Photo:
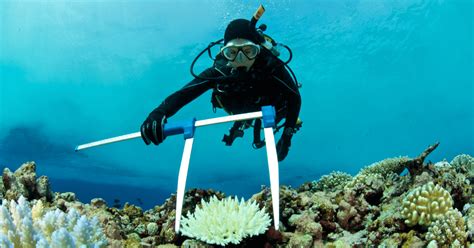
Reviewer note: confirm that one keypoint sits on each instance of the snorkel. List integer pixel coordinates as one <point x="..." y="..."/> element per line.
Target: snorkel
<point x="265" y="40"/>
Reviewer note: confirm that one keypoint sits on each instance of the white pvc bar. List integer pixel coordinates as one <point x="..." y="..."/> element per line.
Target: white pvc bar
<point x="272" y="167"/>
<point x="108" y="141"/>
<point x="183" y="170"/>
<point x="274" y="177"/>
<point x="239" y="117"/>
<point x="183" y="174"/>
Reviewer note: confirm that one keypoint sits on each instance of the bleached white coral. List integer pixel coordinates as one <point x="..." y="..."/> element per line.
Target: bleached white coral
<point x="448" y="230"/>
<point x="225" y="221"/>
<point x="425" y="204"/>
<point x="23" y="227"/>
<point x="335" y="180"/>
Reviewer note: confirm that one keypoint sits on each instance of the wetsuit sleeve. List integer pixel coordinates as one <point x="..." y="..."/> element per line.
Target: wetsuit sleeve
<point x="288" y="86"/>
<point x="185" y="95"/>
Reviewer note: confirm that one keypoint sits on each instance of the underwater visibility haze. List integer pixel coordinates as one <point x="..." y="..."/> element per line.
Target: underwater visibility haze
<point x="379" y="79"/>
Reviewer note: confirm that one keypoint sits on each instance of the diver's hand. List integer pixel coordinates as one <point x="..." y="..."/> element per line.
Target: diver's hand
<point x="283" y="145"/>
<point x="152" y="128"/>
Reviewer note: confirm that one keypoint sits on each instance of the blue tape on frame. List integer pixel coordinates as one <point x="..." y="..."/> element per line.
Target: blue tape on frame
<point x="189" y="128"/>
<point x="184" y="127"/>
<point x="268" y="116"/>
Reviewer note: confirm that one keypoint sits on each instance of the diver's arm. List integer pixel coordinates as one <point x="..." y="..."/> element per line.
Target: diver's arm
<point x="288" y="86"/>
<point x="188" y="93"/>
<point x="292" y="95"/>
<point x="152" y="128"/>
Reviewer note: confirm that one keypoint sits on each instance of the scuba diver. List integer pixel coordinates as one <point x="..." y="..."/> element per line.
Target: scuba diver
<point x="246" y="75"/>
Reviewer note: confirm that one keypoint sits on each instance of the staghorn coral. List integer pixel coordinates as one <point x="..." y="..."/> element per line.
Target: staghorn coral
<point x="25" y="227"/>
<point x="425" y="204"/>
<point x="225" y="221"/>
<point x="386" y="166"/>
<point x="448" y="230"/>
<point x="464" y="163"/>
<point x="336" y="180"/>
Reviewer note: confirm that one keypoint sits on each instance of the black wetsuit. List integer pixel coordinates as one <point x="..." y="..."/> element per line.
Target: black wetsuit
<point x="266" y="83"/>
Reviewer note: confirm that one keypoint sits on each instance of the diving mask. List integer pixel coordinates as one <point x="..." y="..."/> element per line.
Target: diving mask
<point x="240" y="46"/>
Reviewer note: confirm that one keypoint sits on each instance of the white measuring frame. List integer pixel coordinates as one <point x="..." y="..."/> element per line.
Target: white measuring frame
<point x="267" y="113"/>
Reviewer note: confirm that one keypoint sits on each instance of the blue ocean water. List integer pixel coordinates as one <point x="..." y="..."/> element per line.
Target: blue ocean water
<point x="380" y="79"/>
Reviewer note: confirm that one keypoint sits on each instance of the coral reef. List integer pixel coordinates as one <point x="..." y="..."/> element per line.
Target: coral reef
<point x="25" y="227"/>
<point x="23" y="182"/>
<point x="469" y="217"/>
<point x="430" y="206"/>
<point x="386" y="166"/>
<point x="454" y="182"/>
<point x="448" y="230"/>
<point x="426" y="204"/>
<point x="225" y="221"/>
<point x="464" y="163"/>
<point x="336" y="180"/>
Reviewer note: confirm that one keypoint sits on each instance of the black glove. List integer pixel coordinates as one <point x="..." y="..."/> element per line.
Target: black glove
<point x="152" y="128"/>
<point x="283" y="145"/>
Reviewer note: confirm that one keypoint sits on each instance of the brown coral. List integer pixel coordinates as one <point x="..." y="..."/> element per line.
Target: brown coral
<point x="24" y="182"/>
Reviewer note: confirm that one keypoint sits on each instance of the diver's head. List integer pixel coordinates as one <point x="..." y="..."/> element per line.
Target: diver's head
<point x="240" y="44"/>
<point x="240" y="53"/>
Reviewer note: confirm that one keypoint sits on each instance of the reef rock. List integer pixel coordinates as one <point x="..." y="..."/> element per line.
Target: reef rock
<point x="23" y="182"/>
<point x="378" y="207"/>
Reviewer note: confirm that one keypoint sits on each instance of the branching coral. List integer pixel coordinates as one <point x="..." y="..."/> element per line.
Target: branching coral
<point x="374" y="179"/>
<point x="455" y="183"/>
<point x="21" y="226"/>
<point x="386" y="166"/>
<point x="225" y="221"/>
<point x="464" y="163"/>
<point x="365" y="180"/>
<point x="334" y="181"/>
<point x="425" y="204"/>
<point x="447" y="230"/>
